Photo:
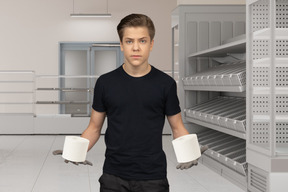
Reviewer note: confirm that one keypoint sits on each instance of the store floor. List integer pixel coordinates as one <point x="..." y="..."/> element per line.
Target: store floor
<point x="27" y="165"/>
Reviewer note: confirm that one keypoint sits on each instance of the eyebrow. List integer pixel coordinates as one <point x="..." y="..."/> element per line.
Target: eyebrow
<point x="128" y="38"/>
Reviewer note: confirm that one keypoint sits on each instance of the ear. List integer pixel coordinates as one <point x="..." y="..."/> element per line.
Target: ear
<point x="151" y="45"/>
<point x="121" y="45"/>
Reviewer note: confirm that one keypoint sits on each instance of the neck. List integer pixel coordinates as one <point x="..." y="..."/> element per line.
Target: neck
<point x="137" y="71"/>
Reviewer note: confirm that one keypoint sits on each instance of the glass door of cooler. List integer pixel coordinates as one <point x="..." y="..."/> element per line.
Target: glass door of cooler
<point x="105" y="58"/>
<point x="75" y="90"/>
<point x="80" y="65"/>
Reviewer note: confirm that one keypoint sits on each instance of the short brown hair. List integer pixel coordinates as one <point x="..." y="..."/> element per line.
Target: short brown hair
<point x="136" y="20"/>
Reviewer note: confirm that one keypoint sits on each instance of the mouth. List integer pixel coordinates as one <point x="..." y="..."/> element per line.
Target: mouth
<point x="135" y="56"/>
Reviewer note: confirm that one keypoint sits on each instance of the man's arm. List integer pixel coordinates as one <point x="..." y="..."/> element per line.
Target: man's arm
<point x="93" y="131"/>
<point x="177" y="126"/>
<point x="179" y="130"/>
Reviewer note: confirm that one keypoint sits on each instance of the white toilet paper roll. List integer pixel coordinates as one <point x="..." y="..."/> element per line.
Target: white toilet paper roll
<point x="186" y="148"/>
<point x="75" y="148"/>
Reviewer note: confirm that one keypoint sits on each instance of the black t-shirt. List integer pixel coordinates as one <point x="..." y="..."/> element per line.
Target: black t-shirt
<point x="136" y="109"/>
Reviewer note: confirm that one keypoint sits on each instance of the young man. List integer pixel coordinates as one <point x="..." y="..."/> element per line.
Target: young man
<point x="136" y="97"/>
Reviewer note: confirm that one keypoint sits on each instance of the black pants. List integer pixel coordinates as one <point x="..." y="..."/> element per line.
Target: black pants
<point x="111" y="183"/>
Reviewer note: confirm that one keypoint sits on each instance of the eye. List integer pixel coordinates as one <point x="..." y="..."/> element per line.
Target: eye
<point x="129" y="42"/>
<point x="143" y="41"/>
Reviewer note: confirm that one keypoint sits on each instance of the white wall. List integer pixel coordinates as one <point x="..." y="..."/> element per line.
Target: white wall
<point x="30" y="30"/>
<point x="212" y="2"/>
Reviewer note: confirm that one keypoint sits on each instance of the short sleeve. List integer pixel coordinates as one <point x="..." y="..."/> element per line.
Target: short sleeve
<point x="172" y="102"/>
<point x="98" y="99"/>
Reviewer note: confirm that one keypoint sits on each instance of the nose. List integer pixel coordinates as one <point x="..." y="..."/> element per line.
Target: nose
<point x="136" y="46"/>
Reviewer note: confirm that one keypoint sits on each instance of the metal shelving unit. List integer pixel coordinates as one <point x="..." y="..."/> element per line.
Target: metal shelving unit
<point x="267" y="98"/>
<point x="16" y="101"/>
<point x="212" y="90"/>
<point x="63" y="103"/>
<point x="59" y="103"/>
<point x="66" y="97"/>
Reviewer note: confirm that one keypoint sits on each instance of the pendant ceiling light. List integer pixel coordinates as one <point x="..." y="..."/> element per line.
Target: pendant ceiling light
<point x="91" y="14"/>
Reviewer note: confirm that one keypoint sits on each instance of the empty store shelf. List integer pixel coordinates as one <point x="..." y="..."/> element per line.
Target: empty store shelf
<point x="225" y="149"/>
<point x="221" y="113"/>
<point x="225" y="77"/>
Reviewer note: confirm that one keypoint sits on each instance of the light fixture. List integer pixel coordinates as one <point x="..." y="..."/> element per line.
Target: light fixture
<point x="90" y="15"/>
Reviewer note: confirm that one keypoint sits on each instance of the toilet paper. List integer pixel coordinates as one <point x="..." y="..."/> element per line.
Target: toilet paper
<point x="186" y="148"/>
<point x="75" y="148"/>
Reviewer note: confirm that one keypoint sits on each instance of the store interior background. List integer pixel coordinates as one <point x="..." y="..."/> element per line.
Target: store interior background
<point x="31" y="30"/>
<point x="31" y="33"/>
<point x="29" y="40"/>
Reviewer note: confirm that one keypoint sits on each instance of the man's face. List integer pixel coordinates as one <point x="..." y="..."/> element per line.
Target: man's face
<point x="136" y="46"/>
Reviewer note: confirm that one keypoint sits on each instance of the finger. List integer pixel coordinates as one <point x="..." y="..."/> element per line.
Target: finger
<point x="195" y="162"/>
<point x="203" y="149"/>
<point x="188" y="165"/>
<point x="67" y="161"/>
<point x="57" y="152"/>
<point x="89" y="163"/>
<point x="184" y="165"/>
<point x="75" y="163"/>
<point x="181" y="167"/>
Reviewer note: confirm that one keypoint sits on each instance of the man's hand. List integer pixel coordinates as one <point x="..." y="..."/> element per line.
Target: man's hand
<point x="191" y="163"/>
<point x="59" y="152"/>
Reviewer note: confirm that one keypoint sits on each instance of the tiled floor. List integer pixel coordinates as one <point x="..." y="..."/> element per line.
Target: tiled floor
<point x="27" y="165"/>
